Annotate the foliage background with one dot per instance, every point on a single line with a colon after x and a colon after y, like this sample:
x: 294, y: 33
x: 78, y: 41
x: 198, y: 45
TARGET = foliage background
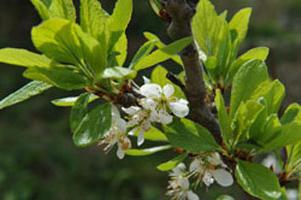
x: 37, y: 157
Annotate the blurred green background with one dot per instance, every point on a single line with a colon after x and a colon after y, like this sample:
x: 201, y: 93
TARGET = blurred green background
x: 37, y: 157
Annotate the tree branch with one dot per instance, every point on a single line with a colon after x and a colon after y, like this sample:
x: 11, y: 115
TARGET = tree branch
x: 181, y: 13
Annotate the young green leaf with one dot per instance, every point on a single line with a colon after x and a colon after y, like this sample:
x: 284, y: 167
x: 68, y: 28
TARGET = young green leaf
x: 169, y: 165
x: 258, y: 180
x: 147, y: 152
x: 26, y: 92
x: 60, y: 77
x: 119, y: 73
x: 41, y: 8
x: 273, y: 93
x: 23, y: 58
x: 240, y: 23
x: 259, y: 53
x: 63, y: 9
x: 70, y: 101
x: 89, y: 127
x: 57, y: 39
x: 160, y: 45
x: 292, y: 114
x: 190, y: 136
x: 156, y: 6
x: 143, y: 51
x: 159, y: 76
x: 92, y: 17
x: 223, y: 118
x: 163, y: 54
x: 247, y: 79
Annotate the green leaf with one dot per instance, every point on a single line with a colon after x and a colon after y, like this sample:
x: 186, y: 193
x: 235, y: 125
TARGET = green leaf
x: 23, y: 58
x: 143, y: 51
x: 240, y: 23
x: 30, y: 90
x: 169, y: 165
x: 159, y: 76
x: 293, y: 162
x: 63, y: 9
x: 60, y: 77
x: 65, y: 42
x: 41, y: 8
x: 121, y: 16
x: 92, y: 17
x: 190, y: 136
x: 259, y: 53
x: 273, y: 92
x: 288, y: 134
x: 163, y: 54
x: 207, y: 27
x: 89, y: 126
x: 147, y: 152
x: 119, y: 73
x: 160, y: 45
x: 258, y: 180
x: 292, y: 114
x: 247, y: 79
x: 57, y: 39
x: 244, y: 118
x: 70, y: 101
x: 116, y: 27
x: 223, y: 118
x: 121, y: 47
x: 153, y: 134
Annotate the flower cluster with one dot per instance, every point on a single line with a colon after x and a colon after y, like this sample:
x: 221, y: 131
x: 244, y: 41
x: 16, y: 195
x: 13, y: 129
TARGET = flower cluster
x: 158, y: 105
x: 210, y: 168
x: 205, y: 169
x: 178, y: 188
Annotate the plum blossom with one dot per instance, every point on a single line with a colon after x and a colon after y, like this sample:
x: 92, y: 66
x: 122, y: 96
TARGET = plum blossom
x: 162, y: 102
x: 117, y: 135
x: 140, y: 119
x: 178, y: 188
x: 157, y: 105
x: 210, y: 168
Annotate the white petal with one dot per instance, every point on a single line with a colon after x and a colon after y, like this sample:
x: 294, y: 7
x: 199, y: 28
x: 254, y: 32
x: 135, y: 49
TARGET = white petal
x: 168, y: 90
x: 148, y: 103
x: 179, y: 109
x: 184, y: 183
x: 223, y: 177
x: 164, y: 117
x: 183, y: 101
x: 179, y: 169
x: 146, y: 80
x: 140, y: 138
x: 195, y: 165
x: 115, y: 113
x: 207, y: 178
x: 192, y: 196
x: 120, y: 152
x: 215, y: 159
x: 151, y: 90
x: 122, y: 125
x: 131, y: 110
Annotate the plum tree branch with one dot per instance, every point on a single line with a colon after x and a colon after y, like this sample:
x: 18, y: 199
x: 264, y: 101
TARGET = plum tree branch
x: 181, y: 13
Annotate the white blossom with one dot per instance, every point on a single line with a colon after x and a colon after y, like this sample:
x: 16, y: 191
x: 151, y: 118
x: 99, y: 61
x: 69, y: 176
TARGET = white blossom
x: 117, y: 135
x: 179, y: 186
x: 210, y: 168
x: 140, y: 119
x: 163, y: 103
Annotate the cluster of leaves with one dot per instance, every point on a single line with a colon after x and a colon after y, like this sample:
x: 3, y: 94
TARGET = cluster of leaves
x: 91, y: 55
